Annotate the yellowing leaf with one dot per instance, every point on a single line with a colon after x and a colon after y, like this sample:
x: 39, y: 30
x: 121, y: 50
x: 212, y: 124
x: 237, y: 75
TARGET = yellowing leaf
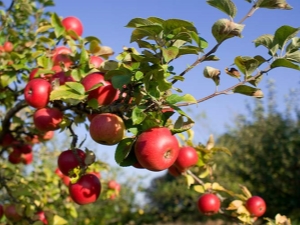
x: 246, y: 191
x: 190, y: 180
x: 242, y: 210
x: 235, y: 205
x: 199, y: 188
x: 281, y: 219
x: 57, y: 220
x: 217, y: 187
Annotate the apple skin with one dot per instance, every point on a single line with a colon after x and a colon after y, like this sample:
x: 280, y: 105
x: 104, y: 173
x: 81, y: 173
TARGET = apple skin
x: 27, y: 158
x: 1, y: 211
x: 15, y: 157
x: 156, y: 149
x: 47, y: 119
x: 107, y: 129
x: 105, y: 94
x: 37, y: 93
x: 33, y: 73
x: 256, y: 206
x: 113, y: 185
x: 73, y: 23
x: 8, y: 140
x: 62, y: 77
x: 209, y: 204
x: 8, y: 46
x: 96, y: 61
x: 174, y: 171
x: 67, y: 161
x: 41, y: 217
x: 187, y: 157
x: 86, y: 190
x: 11, y: 213
x: 61, y: 55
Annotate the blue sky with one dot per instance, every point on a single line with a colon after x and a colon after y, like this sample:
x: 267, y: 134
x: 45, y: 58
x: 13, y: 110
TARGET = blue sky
x: 107, y: 19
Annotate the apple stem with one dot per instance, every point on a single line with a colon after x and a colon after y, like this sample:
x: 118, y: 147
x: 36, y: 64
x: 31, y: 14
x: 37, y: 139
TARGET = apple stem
x: 195, y: 177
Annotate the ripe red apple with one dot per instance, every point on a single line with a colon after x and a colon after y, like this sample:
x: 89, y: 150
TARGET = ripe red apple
x: 8, y: 140
x: 59, y: 173
x: 187, y: 157
x: 48, y: 135
x: 107, y: 129
x: 96, y: 61
x: 156, y: 149
x: 209, y: 204
x: 15, y: 157
x: 11, y: 213
x: 62, y: 77
x: 27, y: 158
x: 46, y: 119
x: 86, y: 190
x: 174, y: 171
x: 1, y: 211
x: 67, y: 160
x: 256, y: 206
x: 74, y: 24
x: 113, y: 185
x: 8, y: 46
x: 41, y: 216
x: 23, y: 148
x: 60, y: 55
x: 105, y: 94
x: 37, y: 93
x: 66, y: 180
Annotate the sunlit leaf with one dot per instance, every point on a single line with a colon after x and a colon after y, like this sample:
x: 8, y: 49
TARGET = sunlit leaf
x: 226, y: 6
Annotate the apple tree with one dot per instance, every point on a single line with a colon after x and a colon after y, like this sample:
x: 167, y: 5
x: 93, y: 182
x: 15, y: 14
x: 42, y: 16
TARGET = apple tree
x: 54, y: 79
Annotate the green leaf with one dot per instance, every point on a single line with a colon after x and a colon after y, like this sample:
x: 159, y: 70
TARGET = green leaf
x: 123, y: 150
x: 247, y: 65
x: 121, y: 80
x: 226, y: 6
x: 174, y: 98
x: 138, y: 75
x: 273, y: 4
x: 170, y: 53
x: 138, y: 115
x: 294, y: 45
x: 77, y: 87
x: 137, y: 22
x: 267, y: 40
x: 43, y: 29
x: 150, y: 31
x: 92, y: 38
x: 245, y: 90
x: 284, y: 63
x: 172, y: 24
x: 56, y: 23
x: 180, y: 125
x: 224, y: 29
x: 7, y: 78
x: 293, y: 56
x: 187, y: 49
x: 284, y: 34
x: 94, y: 46
x: 64, y: 92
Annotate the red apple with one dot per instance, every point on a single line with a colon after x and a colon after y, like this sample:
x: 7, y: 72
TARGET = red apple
x: 74, y: 24
x: 105, y: 94
x: 37, y: 93
x: 86, y: 190
x: 1, y: 211
x: 15, y: 157
x: 60, y: 55
x: 47, y: 119
x: 62, y: 77
x: 113, y: 185
x: 11, y: 213
x: 8, y: 140
x: 187, y: 157
x: 23, y: 148
x: 156, y: 149
x: 107, y: 129
x: 174, y: 171
x: 67, y: 160
x: 27, y: 158
x: 96, y: 61
x: 66, y: 180
x: 41, y: 216
x: 48, y: 135
x: 8, y: 46
x: 256, y: 206
x: 59, y: 173
x: 1, y: 49
x: 209, y: 204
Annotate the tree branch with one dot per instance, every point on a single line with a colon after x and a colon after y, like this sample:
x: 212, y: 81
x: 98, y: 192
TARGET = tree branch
x: 226, y: 91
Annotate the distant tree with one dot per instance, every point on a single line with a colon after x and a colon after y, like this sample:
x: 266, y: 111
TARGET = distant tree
x: 265, y: 154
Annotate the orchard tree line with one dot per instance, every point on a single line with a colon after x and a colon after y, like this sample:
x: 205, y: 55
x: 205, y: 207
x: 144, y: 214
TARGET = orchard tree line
x: 54, y: 79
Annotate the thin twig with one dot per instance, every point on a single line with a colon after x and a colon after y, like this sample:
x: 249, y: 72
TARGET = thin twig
x: 195, y: 177
x: 226, y: 91
x: 249, y: 14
